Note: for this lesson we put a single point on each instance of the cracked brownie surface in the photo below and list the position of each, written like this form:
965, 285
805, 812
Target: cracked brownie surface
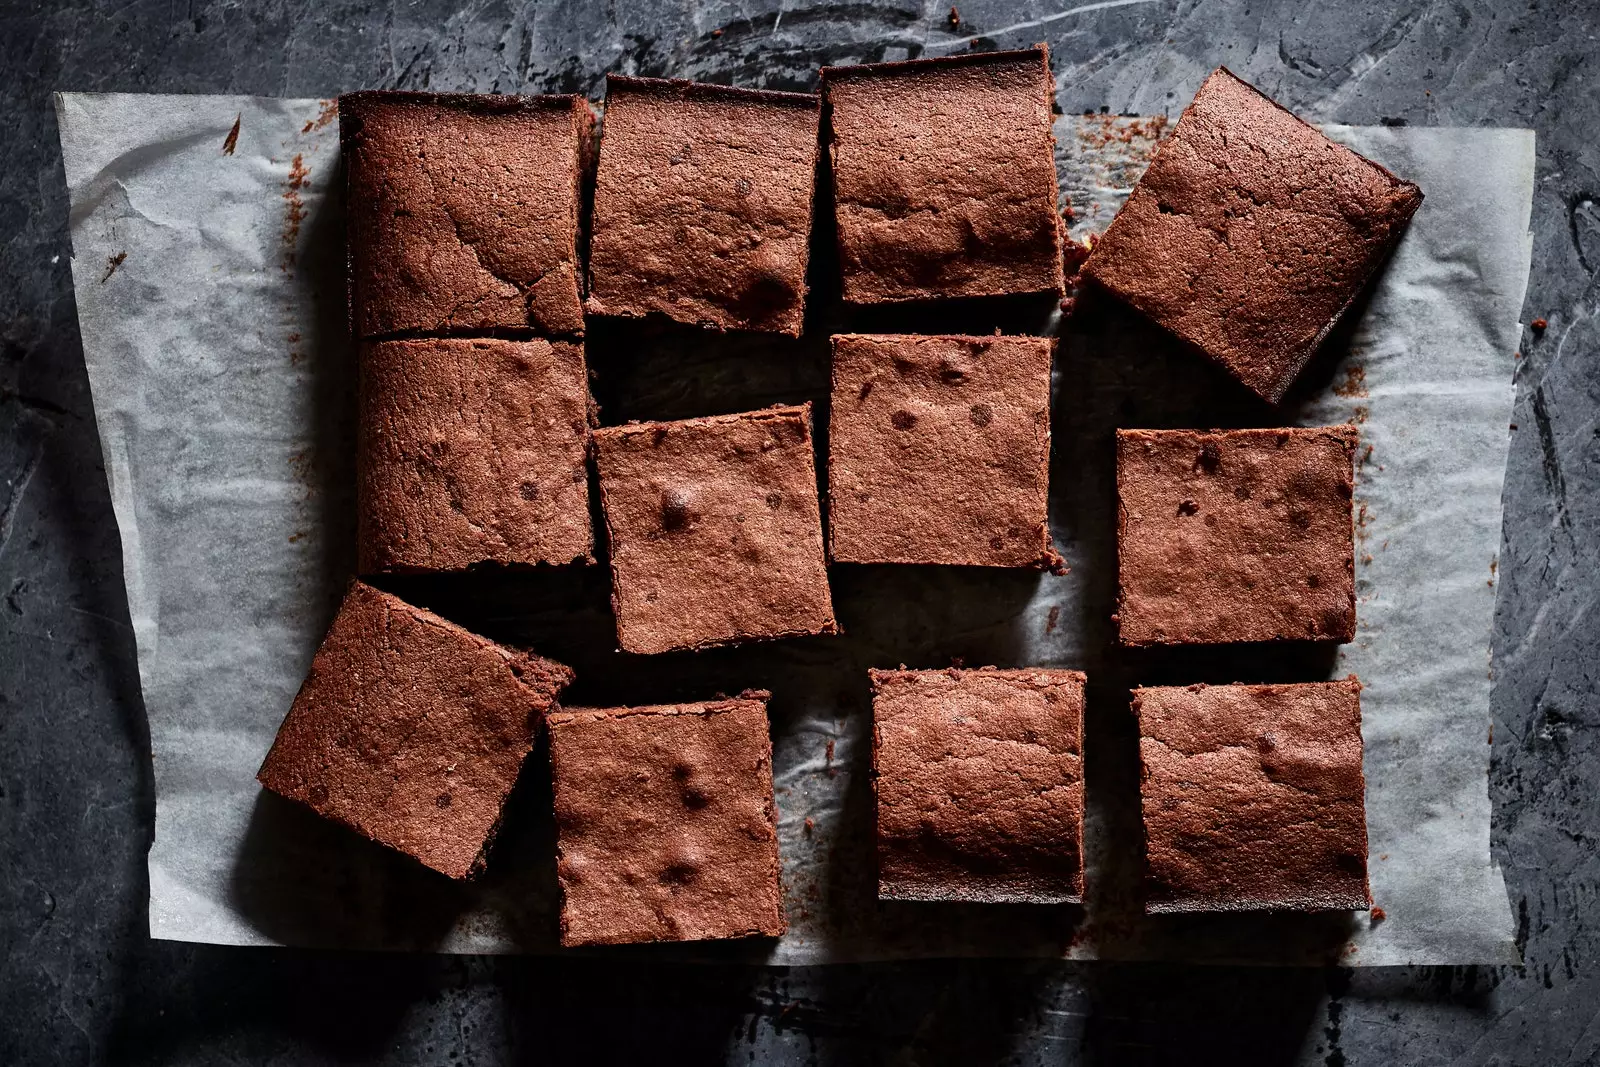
1253, 797
944, 177
472, 451
1251, 233
703, 201
411, 730
979, 784
463, 211
665, 822
939, 450
1235, 535
715, 530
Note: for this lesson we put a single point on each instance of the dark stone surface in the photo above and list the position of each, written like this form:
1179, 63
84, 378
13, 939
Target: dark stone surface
81, 981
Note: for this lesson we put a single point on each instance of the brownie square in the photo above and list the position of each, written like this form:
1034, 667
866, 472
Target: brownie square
463, 211
944, 177
1235, 535
411, 731
665, 823
715, 532
702, 207
1253, 797
979, 780
939, 450
472, 451
1251, 233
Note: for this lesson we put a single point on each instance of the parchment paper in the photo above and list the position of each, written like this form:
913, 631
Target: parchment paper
207, 268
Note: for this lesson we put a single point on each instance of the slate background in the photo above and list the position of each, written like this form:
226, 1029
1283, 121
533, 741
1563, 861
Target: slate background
79, 979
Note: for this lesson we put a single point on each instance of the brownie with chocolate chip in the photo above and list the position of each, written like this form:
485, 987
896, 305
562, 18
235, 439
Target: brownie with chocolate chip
665, 822
939, 450
411, 731
1251, 233
702, 204
472, 451
1235, 535
1253, 797
715, 530
944, 177
979, 784
463, 211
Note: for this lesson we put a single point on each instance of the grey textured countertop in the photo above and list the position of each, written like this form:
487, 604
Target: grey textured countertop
79, 978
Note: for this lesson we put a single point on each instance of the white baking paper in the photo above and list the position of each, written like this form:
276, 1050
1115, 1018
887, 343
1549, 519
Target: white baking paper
208, 274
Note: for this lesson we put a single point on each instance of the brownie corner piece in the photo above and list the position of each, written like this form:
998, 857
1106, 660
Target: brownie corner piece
1251, 233
1234, 536
665, 823
939, 450
472, 450
944, 177
715, 530
979, 784
411, 730
1253, 797
703, 204
462, 211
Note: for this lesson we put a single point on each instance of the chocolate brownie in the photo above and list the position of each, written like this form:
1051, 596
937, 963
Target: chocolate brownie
1251, 233
702, 206
665, 823
715, 531
472, 451
1253, 797
411, 730
979, 779
939, 450
1235, 535
944, 177
463, 211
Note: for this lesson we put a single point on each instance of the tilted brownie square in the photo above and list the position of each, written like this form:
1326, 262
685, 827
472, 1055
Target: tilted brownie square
411, 730
665, 823
979, 780
939, 450
1251, 233
472, 451
1253, 797
702, 206
1235, 535
715, 530
463, 211
944, 177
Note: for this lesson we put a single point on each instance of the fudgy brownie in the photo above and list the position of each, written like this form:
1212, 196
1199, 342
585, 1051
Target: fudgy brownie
1251, 233
665, 823
411, 730
702, 207
944, 177
472, 451
463, 211
715, 530
939, 450
1235, 535
1253, 797
979, 779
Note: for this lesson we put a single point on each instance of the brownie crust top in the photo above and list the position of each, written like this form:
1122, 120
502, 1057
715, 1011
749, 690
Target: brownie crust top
463, 211
715, 530
666, 822
1253, 797
411, 730
979, 782
1250, 233
939, 450
1236, 535
473, 451
944, 177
